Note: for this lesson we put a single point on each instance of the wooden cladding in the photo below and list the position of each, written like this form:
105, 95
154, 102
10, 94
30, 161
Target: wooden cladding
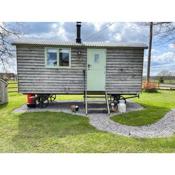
123, 71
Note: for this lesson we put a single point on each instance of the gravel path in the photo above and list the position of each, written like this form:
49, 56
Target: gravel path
163, 128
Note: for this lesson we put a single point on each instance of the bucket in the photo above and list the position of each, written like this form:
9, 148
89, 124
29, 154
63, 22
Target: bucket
121, 106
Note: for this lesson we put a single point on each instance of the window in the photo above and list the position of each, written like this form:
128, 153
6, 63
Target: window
58, 57
64, 57
52, 57
96, 58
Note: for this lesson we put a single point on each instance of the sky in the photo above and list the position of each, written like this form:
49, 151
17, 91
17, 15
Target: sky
163, 54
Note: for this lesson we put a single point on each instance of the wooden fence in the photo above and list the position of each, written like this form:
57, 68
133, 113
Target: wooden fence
161, 86
166, 86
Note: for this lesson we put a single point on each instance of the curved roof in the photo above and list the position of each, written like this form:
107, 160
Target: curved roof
74, 44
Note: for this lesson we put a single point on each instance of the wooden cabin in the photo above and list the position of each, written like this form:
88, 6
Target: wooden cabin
53, 67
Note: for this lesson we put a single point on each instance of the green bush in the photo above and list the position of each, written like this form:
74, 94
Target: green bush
151, 90
150, 87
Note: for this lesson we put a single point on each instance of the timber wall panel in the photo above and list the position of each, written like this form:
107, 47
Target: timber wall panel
124, 70
123, 75
34, 77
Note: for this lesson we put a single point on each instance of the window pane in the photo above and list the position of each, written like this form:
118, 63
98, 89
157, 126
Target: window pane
52, 57
64, 57
96, 58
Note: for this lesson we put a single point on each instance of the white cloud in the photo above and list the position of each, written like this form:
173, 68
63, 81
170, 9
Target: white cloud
155, 51
159, 62
98, 25
116, 32
129, 32
57, 31
166, 57
118, 37
40, 36
54, 26
114, 26
172, 45
61, 33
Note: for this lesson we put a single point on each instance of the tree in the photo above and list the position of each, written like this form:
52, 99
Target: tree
6, 50
165, 73
165, 32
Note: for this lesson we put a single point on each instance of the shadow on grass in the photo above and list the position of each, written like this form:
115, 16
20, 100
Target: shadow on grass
150, 115
42, 126
3, 106
152, 92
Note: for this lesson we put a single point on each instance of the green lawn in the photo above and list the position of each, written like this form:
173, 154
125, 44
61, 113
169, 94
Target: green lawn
12, 86
156, 106
59, 132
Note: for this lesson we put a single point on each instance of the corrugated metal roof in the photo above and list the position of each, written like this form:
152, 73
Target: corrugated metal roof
85, 44
1, 80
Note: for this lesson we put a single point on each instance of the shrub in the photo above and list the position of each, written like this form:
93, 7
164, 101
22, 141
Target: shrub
150, 87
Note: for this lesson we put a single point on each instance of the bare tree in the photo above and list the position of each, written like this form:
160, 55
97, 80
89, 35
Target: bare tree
165, 32
6, 50
165, 73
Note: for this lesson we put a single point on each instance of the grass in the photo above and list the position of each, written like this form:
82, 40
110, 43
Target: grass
59, 132
12, 86
156, 106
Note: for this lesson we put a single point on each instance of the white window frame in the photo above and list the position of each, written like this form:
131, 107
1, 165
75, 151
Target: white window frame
58, 58
46, 58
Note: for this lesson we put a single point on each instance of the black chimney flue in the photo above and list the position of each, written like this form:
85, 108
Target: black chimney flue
78, 39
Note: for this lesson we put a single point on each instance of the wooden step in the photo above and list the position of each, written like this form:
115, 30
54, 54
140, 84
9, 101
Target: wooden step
96, 102
95, 96
97, 109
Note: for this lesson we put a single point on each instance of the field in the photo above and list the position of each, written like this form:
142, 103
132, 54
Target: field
59, 132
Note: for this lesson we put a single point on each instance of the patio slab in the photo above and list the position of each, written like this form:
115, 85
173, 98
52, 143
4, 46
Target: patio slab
64, 106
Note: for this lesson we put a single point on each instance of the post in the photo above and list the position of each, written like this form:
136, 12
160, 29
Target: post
149, 51
84, 76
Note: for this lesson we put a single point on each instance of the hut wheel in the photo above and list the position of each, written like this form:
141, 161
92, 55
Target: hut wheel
52, 98
42, 101
115, 98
